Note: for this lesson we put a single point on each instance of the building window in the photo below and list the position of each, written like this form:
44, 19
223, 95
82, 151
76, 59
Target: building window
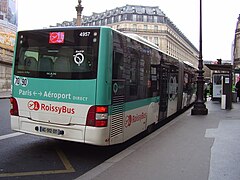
155, 18
134, 27
145, 37
129, 17
145, 27
160, 19
119, 18
124, 17
115, 19
155, 28
140, 18
103, 22
144, 18
134, 17
150, 19
156, 40
109, 20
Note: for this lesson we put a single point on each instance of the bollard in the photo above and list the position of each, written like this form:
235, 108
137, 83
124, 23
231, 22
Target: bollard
223, 101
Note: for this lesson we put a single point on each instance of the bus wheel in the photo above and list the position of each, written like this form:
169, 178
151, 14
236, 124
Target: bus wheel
150, 128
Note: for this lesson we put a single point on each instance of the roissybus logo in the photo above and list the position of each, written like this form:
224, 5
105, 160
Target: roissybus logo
36, 106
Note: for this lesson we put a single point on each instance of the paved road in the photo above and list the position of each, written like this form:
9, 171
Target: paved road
4, 117
188, 148
31, 157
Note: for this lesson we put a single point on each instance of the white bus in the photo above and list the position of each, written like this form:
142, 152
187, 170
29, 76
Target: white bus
94, 85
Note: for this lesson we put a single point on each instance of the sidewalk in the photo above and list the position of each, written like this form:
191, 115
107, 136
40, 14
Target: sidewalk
188, 148
5, 94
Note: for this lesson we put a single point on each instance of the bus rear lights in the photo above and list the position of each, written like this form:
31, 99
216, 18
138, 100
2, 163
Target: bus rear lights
97, 116
100, 116
101, 109
101, 123
13, 107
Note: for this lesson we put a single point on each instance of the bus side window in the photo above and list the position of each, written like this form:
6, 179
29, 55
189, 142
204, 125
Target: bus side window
45, 64
134, 78
117, 65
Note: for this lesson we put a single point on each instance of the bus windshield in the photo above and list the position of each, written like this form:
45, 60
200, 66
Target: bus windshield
62, 54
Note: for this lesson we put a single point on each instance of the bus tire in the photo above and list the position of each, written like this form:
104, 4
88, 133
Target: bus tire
150, 128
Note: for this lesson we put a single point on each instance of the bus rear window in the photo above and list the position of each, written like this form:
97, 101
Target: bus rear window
41, 54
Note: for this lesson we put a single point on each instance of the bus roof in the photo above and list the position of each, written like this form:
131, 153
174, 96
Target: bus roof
66, 28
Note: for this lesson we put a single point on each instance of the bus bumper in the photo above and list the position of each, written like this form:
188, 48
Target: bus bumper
76, 133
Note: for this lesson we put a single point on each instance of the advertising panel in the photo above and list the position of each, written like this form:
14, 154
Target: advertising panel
8, 24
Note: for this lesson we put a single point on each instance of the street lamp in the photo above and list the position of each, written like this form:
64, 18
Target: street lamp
199, 106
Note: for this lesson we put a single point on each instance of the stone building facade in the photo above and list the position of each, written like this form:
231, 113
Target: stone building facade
8, 29
236, 51
150, 23
7, 40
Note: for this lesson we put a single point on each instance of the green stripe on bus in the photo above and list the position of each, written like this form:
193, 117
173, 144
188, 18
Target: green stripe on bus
104, 76
70, 91
135, 104
140, 103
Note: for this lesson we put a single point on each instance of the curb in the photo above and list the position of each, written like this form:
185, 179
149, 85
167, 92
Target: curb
5, 97
5, 94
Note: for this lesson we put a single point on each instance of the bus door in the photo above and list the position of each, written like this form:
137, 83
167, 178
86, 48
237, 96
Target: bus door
118, 100
163, 107
153, 93
172, 90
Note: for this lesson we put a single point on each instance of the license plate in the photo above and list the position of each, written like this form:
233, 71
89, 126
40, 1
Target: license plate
50, 130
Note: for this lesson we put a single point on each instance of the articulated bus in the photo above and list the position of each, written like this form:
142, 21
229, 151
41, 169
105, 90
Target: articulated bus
94, 85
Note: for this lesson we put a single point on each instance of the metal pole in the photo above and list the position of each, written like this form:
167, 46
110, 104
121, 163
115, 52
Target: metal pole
199, 106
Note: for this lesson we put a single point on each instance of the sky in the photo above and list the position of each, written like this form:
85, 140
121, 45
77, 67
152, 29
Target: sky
219, 18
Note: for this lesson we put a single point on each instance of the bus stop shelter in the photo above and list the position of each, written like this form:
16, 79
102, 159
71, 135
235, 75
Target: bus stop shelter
226, 82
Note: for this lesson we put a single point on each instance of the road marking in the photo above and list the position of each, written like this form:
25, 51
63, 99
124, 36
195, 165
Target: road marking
10, 135
224, 162
65, 161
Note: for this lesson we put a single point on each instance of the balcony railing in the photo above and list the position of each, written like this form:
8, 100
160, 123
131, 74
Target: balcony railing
141, 30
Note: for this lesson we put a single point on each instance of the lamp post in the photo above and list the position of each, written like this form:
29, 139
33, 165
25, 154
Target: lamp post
79, 10
199, 106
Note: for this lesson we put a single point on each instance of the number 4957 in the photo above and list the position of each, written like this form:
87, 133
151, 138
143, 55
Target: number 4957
84, 34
